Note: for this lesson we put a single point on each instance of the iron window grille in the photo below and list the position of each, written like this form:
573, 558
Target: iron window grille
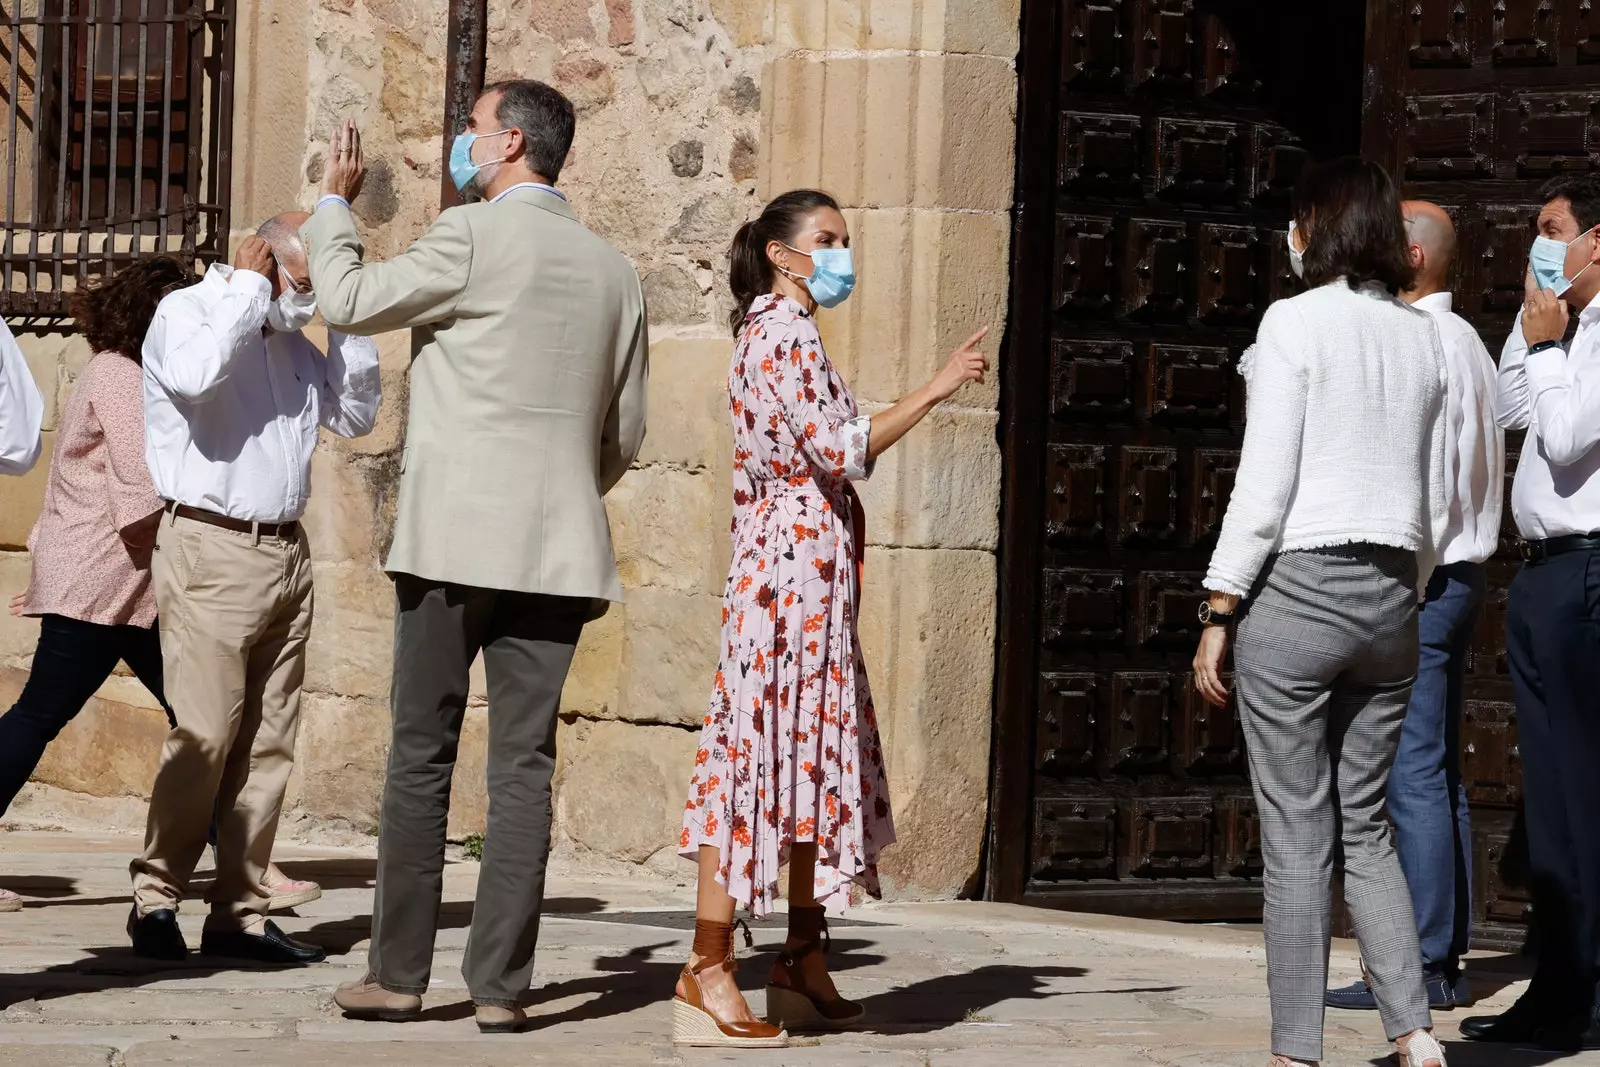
118, 118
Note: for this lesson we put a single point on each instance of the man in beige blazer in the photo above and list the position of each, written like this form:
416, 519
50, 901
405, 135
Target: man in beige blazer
527, 405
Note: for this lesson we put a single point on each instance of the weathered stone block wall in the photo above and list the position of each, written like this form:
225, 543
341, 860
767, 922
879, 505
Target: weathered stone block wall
691, 113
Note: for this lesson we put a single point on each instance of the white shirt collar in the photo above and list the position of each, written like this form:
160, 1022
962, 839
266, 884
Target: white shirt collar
1592, 311
1433, 302
541, 186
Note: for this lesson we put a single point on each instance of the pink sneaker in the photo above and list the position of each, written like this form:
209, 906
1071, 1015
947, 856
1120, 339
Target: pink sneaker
286, 892
9, 901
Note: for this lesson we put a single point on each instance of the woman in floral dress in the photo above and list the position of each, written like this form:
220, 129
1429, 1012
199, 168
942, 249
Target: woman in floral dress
790, 768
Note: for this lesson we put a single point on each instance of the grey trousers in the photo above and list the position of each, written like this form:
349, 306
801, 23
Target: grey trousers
1324, 660
527, 643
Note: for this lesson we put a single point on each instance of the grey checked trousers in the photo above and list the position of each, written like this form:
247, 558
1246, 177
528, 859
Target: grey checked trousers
1324, 660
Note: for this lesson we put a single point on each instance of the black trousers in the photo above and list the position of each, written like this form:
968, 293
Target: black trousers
527, 641
72, 660
1553, 645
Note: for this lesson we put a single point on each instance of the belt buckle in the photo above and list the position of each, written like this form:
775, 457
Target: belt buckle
1532, 551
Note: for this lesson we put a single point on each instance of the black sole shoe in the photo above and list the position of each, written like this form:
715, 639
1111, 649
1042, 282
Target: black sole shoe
156, 936
274, 946
1506, 1029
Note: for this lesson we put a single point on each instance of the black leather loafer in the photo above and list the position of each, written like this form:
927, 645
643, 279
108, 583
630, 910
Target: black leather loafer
156, 936
273, 946
1512, 1027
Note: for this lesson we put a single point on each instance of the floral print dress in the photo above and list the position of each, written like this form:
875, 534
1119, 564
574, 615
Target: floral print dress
790, 751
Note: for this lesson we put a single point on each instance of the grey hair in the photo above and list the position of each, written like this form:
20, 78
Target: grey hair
283, 239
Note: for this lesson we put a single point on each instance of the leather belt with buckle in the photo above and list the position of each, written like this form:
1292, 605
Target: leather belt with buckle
285, 530
1539, 551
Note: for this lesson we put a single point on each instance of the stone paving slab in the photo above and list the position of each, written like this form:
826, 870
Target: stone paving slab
945, 984
56, 1056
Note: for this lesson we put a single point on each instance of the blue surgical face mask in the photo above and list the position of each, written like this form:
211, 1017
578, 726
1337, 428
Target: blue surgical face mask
1548, 258
463, 171
833, 275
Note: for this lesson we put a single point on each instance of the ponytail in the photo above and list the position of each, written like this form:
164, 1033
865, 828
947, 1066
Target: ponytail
749, 271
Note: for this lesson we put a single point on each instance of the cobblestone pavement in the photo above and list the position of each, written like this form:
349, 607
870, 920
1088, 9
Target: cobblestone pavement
945, 984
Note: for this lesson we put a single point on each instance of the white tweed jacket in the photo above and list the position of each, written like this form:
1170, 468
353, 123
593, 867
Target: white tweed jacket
1344, 438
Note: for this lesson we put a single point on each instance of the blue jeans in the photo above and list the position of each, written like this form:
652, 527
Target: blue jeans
1427, 800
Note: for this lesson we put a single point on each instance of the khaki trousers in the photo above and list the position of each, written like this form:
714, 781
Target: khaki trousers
235, 613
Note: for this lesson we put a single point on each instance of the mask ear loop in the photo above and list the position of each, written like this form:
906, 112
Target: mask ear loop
801, 278
1594, 231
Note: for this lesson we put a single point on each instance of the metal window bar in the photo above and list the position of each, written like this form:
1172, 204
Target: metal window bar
118, 127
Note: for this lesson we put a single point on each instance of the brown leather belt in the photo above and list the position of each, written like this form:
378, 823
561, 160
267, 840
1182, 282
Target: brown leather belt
286, 530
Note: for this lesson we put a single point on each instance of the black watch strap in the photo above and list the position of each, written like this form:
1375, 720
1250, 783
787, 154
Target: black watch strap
1542, 346
1211, 617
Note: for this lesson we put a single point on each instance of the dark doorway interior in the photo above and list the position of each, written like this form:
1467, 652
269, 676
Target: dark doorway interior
1159, 144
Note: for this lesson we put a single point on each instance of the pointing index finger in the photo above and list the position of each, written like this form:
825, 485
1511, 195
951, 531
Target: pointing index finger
975, 338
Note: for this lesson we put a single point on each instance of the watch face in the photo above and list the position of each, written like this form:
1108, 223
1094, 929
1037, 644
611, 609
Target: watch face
1205, 611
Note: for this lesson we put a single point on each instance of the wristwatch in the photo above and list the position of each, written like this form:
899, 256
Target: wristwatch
1211, 617
1542, 345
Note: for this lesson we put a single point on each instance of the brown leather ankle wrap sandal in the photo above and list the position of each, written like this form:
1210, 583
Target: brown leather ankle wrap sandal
790, 1003
693, 1023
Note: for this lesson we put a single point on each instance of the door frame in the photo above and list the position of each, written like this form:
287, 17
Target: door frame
1024, 393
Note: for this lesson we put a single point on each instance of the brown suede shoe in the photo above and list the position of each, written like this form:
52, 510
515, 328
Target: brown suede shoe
493, 1019
366, 999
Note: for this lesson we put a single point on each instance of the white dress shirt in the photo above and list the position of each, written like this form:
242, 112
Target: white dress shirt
1555, 396
1475, 459
1344, 439
231, 411
21, 409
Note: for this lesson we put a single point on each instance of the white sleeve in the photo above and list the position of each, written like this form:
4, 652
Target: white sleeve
21, 409
1275, 412
189, 350
351, 386
1436, 501
1512, 408
1565, 392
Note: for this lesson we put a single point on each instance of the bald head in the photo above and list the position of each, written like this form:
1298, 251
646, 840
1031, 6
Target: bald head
282, 234
1433, 245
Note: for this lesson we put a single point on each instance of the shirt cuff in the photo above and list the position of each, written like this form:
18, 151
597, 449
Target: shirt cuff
331, 198
857, 436
1546, 366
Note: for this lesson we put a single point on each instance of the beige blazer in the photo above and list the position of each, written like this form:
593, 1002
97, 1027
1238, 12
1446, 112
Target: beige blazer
528, 372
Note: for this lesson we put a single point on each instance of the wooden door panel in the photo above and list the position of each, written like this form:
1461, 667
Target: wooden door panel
1164, 190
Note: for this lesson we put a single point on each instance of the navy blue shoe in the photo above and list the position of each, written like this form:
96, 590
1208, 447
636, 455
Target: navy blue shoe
1461, 992
1441, 993
1357, 996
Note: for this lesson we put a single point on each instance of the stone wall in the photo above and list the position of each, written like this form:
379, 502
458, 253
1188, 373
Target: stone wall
691, 113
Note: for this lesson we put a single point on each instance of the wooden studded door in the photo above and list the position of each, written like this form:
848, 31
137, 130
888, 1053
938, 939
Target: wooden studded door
1160, 140
1474, 104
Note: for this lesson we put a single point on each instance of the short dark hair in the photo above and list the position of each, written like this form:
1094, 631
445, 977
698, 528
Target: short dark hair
114, 313
1350, 213
1582, 191
545, 118
749, 270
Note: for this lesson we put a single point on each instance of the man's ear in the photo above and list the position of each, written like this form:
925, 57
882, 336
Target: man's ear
1418, 256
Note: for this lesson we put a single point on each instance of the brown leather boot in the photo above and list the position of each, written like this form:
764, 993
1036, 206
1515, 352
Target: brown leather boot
790, 1003
692, 1022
